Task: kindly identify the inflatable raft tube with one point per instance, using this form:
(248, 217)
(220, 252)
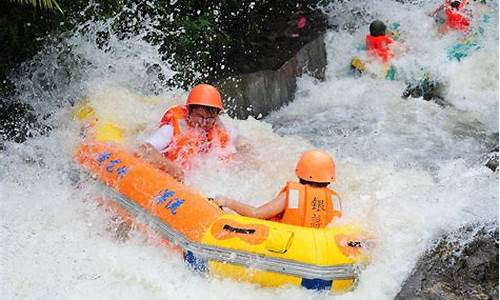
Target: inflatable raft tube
(258, 251)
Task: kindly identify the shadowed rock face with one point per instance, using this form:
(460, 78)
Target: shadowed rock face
(257, 94)
(462, 265)
(16, 121)
(427, 89)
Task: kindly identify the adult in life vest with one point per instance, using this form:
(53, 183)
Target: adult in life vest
(188, 130)
(308, 203)
(454, 16)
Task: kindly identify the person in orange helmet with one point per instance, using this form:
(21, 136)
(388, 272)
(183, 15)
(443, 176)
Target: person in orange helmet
(188, 130)
(308, 203)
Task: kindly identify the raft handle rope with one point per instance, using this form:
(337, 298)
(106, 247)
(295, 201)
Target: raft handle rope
(246, 259)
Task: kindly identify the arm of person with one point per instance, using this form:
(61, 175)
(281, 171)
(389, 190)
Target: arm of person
(266, 211)
(436, 11)
(442, 29)
(150, 151)
(241, 144)
(153, 156)
(397, 48)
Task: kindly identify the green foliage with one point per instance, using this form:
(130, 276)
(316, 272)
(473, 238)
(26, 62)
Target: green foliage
(202, 40)
(190, 36)
(209, 40)
(45, 4)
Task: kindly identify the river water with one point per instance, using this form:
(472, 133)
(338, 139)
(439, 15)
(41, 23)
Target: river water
(408, 169)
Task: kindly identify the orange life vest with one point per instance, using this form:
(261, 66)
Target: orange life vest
(455, 19)
(379, 46)
(309, 206)
(188, 142)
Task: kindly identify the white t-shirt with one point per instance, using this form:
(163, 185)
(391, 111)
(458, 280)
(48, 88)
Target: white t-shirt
(162, 136)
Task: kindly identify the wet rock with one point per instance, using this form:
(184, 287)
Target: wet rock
(17, 121)
(426, 88)
(492, 160)
(462, 265)
(257, 94)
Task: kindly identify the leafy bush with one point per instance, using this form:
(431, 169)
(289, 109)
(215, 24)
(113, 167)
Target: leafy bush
(202, 40)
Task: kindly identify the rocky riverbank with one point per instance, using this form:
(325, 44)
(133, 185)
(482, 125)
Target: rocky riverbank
(463, 264)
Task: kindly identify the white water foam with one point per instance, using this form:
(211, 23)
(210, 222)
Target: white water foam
(411, 170)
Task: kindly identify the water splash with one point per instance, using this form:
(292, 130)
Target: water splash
(409, 169)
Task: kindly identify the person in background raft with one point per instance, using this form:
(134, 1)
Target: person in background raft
(186, 131)
(378, 43)
(454, 16)
(308, 203)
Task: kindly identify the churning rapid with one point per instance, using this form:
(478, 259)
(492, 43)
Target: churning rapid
(408, 169)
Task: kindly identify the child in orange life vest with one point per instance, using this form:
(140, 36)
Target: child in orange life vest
(378, 43)
(308, 203)
(188, 130)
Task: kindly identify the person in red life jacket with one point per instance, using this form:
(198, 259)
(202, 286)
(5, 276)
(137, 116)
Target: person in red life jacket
(308, 203)
(188, 130)
(455, 16)
(378, 43)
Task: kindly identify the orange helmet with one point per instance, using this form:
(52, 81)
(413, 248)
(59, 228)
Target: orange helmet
(316, 166)
(206, 95)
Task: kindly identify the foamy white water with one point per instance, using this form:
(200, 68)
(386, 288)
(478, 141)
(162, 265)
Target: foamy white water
(409, 169)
